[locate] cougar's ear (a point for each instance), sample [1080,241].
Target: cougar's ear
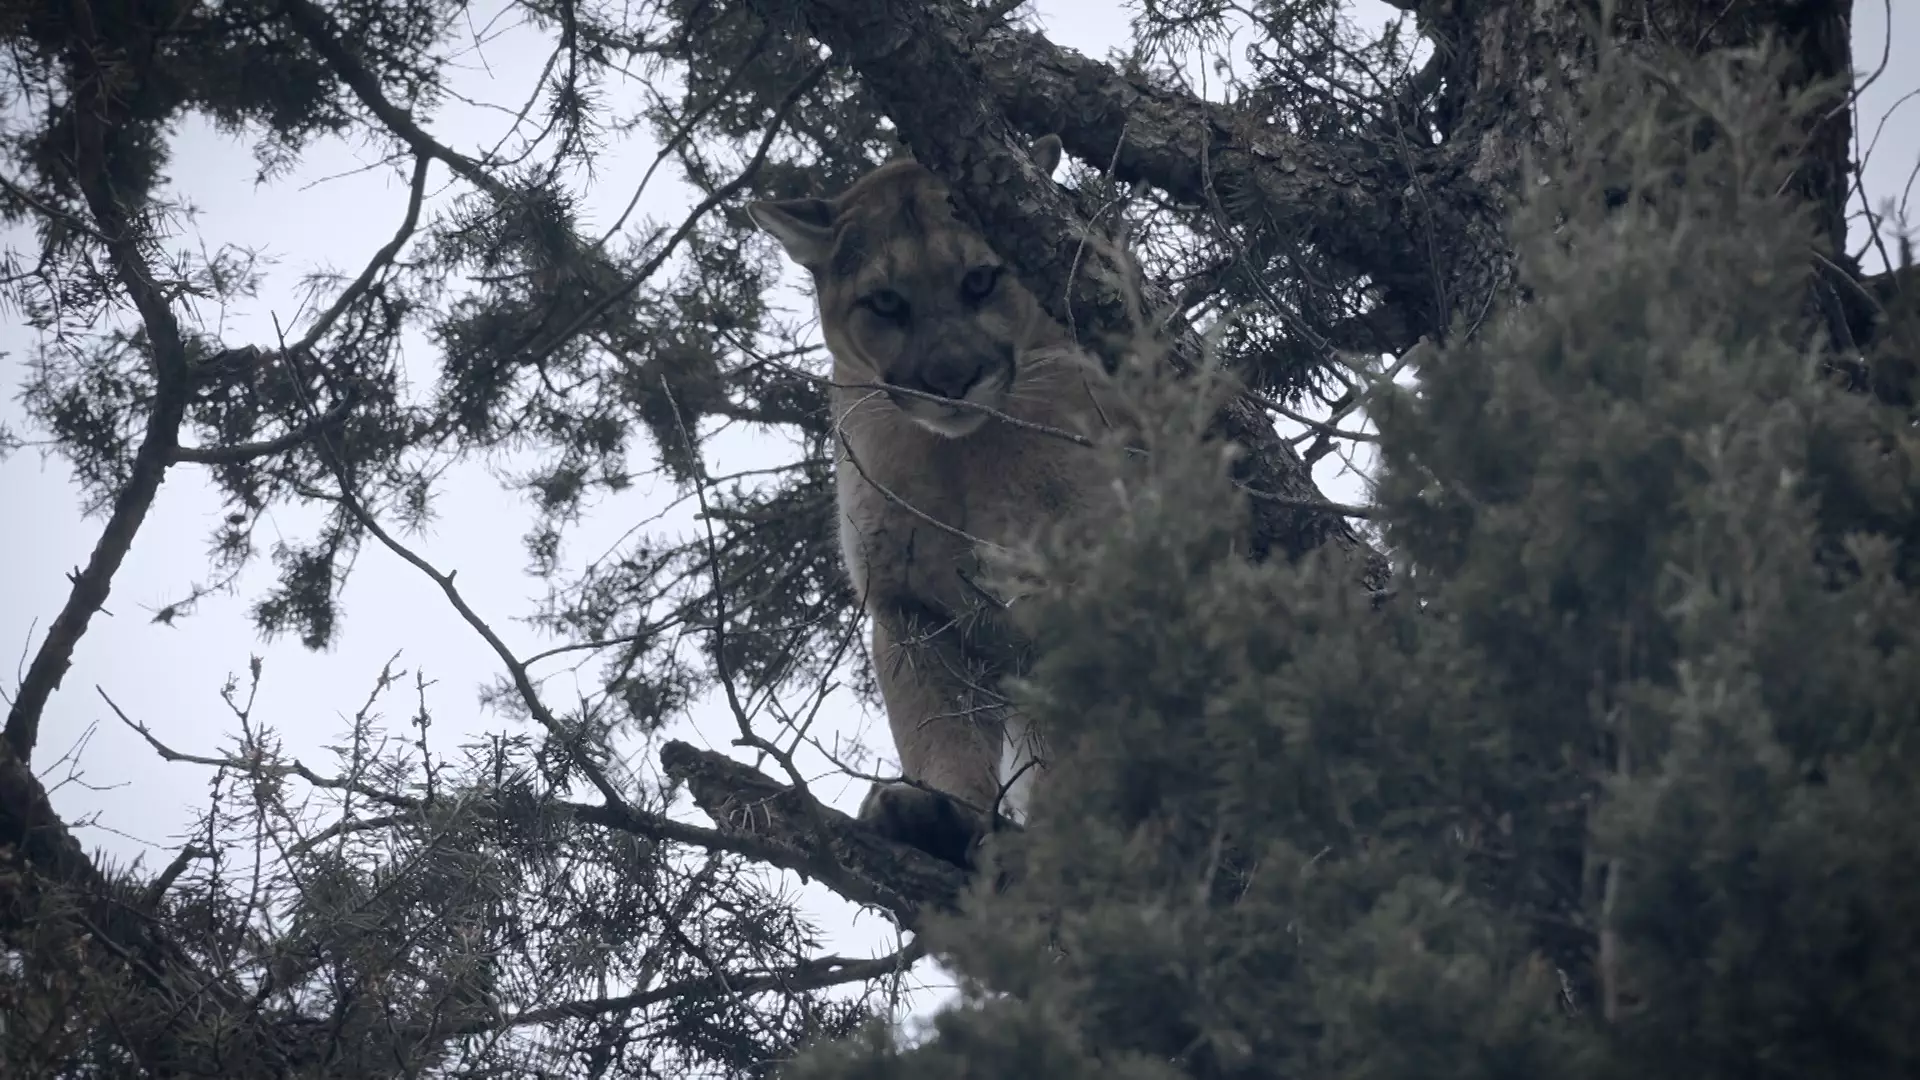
[1046,153]
[803,226]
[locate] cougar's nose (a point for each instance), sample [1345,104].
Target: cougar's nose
[951,376]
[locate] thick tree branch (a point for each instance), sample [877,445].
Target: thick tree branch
[815,841]
[96,103]
[1347,200]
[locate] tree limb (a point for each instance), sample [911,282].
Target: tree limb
[94,107]
[1348,200]
[797,833]
[317,27]
[239,453]
[816,974]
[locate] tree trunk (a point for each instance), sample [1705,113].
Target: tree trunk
[1514,63]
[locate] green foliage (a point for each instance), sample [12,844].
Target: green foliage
[1622,779]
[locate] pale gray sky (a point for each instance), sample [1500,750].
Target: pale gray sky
[331,213]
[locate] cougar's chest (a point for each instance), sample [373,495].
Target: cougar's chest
[915,511]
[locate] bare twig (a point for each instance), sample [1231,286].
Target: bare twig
[622,817]
[317,27]
[257,766]
[847,448]
[348,827]
[517,671]
[692,220]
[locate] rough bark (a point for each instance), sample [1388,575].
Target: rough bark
[1511,66]
[1365,202]
[814,840]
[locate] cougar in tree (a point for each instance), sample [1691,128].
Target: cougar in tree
[951,386]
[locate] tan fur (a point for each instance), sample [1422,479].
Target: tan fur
[939,640]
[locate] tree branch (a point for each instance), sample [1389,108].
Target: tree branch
[796,833]
[816,974]
[317,27]
[1348,200]
[249,451]
[94,107]
[760,820]
[48,884]
[416,194]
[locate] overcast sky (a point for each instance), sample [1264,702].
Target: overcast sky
[334,212]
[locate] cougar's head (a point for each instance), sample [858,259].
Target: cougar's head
[909,297]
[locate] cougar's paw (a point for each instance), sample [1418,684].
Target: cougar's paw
[928,820]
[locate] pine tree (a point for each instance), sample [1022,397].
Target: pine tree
[1585,748]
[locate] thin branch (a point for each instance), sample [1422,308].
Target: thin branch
[250,451]
[816,861]
[685,129]
[722,670]
[817,974]
[416,194]
[157,889]
[964,405]
[258,767]
[317,27]
[692,220]
[522,682]
[348,827]
[1324,428]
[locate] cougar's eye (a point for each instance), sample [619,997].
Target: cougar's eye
[886,303]
[979,283]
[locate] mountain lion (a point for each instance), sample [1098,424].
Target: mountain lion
[951,390]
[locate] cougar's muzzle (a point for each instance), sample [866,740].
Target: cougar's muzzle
[970,375]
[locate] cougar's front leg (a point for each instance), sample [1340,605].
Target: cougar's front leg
[948,726]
